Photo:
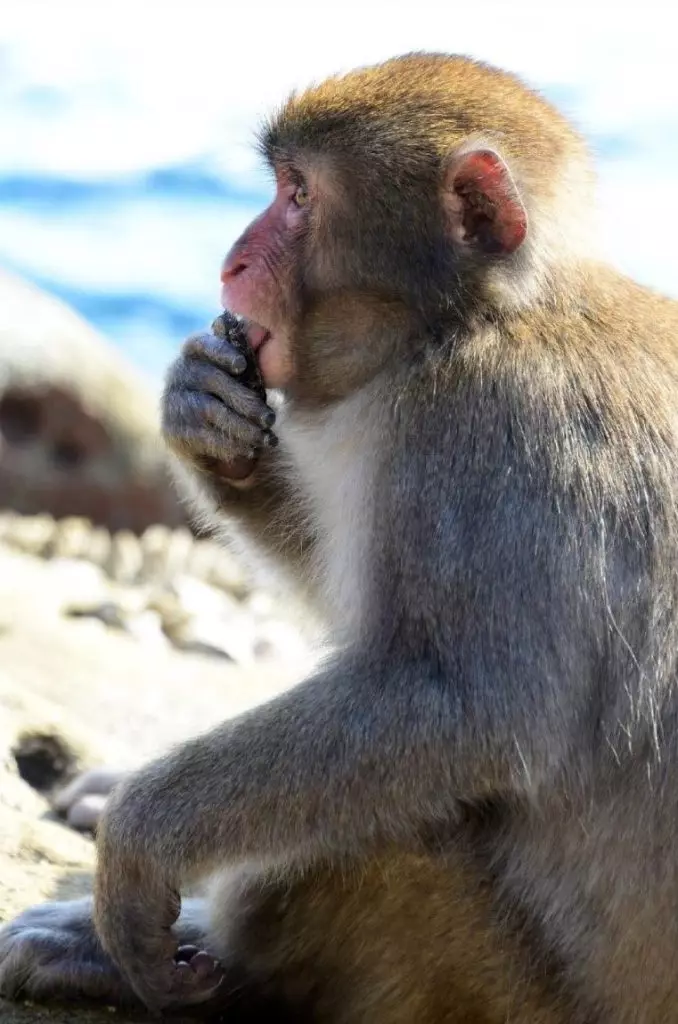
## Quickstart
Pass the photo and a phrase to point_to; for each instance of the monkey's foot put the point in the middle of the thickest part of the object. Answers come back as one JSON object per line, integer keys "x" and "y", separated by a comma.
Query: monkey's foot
{"x": 52, "y": 952}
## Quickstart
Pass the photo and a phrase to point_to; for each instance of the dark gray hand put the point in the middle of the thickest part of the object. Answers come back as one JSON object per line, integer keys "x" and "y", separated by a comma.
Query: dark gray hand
{"x": 210, "y": 418}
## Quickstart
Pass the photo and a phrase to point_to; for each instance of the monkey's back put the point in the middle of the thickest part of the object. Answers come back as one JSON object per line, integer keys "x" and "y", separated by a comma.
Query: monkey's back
{"x": 543, "y": 545}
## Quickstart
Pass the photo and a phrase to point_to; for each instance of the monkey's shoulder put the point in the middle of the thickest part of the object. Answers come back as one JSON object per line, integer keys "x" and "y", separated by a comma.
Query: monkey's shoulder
{"x": 620, "y": 321}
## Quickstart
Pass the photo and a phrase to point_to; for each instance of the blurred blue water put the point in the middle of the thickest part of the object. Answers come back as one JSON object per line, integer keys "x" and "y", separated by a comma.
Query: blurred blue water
{"x": 137, "y": 256}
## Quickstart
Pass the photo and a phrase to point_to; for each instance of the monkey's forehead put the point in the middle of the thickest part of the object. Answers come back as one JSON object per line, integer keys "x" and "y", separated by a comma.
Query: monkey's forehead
{"x": 419, "y": 103}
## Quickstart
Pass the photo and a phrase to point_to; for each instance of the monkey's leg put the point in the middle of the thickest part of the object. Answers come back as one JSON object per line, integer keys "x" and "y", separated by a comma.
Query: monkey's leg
{"x": 405, "y": 939}
{"x": 51, "y": 951}
{"x": 402, "y": 940}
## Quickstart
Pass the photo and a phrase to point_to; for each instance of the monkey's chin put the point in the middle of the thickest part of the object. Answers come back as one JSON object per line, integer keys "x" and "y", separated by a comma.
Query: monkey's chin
{"x": 274, "y": 364}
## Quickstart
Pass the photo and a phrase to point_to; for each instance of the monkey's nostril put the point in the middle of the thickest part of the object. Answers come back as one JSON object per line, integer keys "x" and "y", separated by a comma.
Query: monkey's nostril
{"x": 231, "y": 269}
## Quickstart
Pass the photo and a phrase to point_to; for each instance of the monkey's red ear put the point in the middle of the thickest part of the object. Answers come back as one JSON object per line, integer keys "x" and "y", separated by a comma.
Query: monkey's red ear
{"x": 484, "y": 207}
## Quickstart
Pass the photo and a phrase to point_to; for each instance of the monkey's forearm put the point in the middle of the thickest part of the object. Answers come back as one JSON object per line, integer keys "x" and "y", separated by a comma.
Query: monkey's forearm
{"x": 364, "y": 753}
{"x": 297, "y": 772}
{"x": 267, "y": 510}
{"x": 331, "y": 764}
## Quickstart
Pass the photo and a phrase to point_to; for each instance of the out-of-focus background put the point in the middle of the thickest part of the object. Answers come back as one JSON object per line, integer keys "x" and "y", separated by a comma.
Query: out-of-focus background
{"x": 127, "y": 168}
{"x": 126, "y": 165}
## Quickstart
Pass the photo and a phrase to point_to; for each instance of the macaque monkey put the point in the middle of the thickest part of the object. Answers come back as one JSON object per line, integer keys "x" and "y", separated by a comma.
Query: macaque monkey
{"x": 469, "y": 814}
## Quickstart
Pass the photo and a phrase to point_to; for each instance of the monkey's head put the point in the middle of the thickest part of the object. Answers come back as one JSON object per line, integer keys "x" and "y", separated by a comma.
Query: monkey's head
{"x": 409, "y": 197}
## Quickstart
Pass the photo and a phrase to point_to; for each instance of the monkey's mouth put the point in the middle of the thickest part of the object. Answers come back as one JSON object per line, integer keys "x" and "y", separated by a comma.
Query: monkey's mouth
{"x": 268, "y": 347}
{"x": 257, "y": 335}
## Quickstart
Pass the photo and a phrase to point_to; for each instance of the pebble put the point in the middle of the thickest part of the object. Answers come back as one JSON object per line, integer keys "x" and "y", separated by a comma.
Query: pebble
{"x": 69, "y": 539}
{"x": 165, "y": 587}
{"x": 98, "y": 550}
{"x": 125, "y": 559}
{"x": 31, "y": 534}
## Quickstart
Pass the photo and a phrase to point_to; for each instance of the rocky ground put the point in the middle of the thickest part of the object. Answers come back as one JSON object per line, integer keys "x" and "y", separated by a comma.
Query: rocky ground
{"x": 79, "y": 427}
{"x": 110, "y": 657}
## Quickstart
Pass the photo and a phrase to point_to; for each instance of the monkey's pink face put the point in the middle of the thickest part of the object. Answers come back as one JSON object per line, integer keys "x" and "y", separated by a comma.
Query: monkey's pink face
{"x": 258, "y": 283}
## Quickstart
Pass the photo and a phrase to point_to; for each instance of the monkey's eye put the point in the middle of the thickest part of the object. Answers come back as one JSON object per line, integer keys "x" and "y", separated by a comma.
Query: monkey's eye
{"x": 300, "y": 197}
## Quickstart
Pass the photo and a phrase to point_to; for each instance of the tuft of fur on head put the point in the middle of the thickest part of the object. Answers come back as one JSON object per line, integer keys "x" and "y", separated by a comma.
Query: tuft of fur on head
{"x": 395, "y": 123}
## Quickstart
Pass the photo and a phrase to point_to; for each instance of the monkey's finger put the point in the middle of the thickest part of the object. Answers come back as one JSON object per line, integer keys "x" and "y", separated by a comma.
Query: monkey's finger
{"x": 201, "y": 442}
{"x": 197, "y": 979}
{"x": 215, "y": 350}
{"x": 175, "y": 983}
{"x": 200, "y": 376}
{"x": 227, "y": 427}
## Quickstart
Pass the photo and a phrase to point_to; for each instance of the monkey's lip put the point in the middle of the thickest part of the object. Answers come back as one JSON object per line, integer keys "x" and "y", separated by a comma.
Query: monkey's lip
{"x": 257, "y": 335}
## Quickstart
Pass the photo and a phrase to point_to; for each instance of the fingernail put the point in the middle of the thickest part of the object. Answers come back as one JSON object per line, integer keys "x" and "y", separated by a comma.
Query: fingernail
{"x": 268, "y": 418}
{"x": 239, "y": 364}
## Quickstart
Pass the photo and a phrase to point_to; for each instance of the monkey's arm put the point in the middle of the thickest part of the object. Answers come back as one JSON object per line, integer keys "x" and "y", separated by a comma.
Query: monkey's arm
{"x": 363, "y": 752}
{"x": 267, "y": 511}
{"x": 213, "y": 425}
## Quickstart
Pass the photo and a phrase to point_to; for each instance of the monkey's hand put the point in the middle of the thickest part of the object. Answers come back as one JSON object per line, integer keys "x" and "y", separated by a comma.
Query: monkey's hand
{"x": 368, "y": 751}
{"x": 162, "y": 970}
{"x": 211, "y": 419}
